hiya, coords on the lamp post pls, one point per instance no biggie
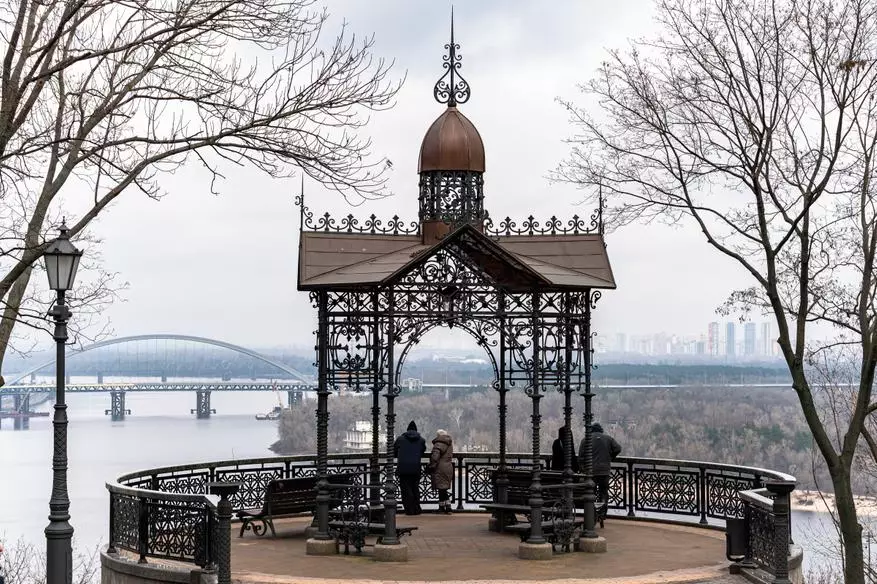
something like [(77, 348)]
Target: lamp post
[(62, 260)]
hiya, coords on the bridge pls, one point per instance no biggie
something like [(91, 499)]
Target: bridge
[(199, 364)]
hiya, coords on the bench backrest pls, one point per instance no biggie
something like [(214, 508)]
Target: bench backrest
[(298, 495), (518, 491)]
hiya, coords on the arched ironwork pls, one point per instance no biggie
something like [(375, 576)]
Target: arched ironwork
[(484, 342), (174, 337)]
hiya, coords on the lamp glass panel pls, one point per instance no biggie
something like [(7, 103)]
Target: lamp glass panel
[(52, 270)]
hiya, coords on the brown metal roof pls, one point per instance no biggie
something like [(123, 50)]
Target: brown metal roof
[(565, 260), (451, 143), (342, 260), (339, 259)]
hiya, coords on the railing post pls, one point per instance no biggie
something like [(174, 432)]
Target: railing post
[(781, 512), (701, 492), (143, 530), (630, 492), (220, 552), (459, 494), (111, 549)]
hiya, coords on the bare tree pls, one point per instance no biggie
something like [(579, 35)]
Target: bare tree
[(755, 122), (100, 97), (22, 562)]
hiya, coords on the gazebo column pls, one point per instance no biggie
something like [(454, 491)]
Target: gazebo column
[(502, 478), (590, 541), (374, 461), (536, 548), (390, 549), (374, 466), (322, 542)]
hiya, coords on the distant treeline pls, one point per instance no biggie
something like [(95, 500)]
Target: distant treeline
[(750, 426)]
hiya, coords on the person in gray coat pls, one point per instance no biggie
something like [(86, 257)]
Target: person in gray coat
[(604, 449)]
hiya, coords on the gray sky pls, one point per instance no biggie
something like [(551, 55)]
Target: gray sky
[(225, 266)]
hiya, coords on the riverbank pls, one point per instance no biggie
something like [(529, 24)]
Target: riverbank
[(824, 502)]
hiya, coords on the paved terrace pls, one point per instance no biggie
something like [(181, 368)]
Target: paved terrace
[(460, 548)]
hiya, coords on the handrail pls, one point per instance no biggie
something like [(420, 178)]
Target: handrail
[(767, 473), (758, 498)]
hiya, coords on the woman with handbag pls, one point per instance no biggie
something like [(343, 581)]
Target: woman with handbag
[(441, 468)]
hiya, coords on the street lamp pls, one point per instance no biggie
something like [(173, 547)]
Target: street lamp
[(62, 260)]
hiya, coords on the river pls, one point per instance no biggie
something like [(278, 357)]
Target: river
[(160, 432)]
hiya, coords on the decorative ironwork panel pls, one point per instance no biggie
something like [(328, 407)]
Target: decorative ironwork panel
[(178, 530), (352, 353), (761, 536), (191, 483), (618, 487), (254, 483), (667, 491), (350, 224), (452, 196), (722, 494), (126, 514), (144, 482), (427, 493), (552, 226), (478, 483)]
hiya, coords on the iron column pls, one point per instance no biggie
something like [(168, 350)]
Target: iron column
[(59, 532)]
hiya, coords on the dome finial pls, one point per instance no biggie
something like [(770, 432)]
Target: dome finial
[(456, 89)]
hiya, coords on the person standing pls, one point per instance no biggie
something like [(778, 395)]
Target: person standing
[(604, 449), (558, 460), (441, 468), (410, 448)]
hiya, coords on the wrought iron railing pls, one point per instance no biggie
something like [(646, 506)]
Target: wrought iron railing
[(164, 512), (767, 527), (160, 524)]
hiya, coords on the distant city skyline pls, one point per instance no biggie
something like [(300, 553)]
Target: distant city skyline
[(730, 339)]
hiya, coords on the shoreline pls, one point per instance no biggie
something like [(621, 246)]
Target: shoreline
[(817, 502)]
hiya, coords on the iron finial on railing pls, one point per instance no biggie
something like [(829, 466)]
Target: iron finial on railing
[(455, 89)]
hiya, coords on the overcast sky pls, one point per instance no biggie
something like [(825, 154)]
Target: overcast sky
[(225, 266)]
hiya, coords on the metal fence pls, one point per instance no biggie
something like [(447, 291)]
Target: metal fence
[(165, 512)]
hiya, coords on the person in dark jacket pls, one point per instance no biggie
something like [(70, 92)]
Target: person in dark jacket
[(558, 461), (410, 447), (604, 450)]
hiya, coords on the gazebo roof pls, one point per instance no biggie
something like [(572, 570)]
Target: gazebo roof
[(331, 260)]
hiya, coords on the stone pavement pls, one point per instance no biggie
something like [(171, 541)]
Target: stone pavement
[(459, 548)]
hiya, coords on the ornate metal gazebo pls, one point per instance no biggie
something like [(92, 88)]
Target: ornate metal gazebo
[(524, 292)]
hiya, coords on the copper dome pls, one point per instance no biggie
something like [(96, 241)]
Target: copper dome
[(451, 143)]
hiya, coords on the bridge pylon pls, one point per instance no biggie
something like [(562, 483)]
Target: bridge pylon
[(117, 411), (21, 404), (202, 405)]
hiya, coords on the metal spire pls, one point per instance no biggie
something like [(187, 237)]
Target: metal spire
[(451, 88)]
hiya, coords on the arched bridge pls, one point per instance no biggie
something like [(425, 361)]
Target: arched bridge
[(158, 362)]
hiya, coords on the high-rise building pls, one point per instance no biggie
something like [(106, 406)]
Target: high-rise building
[(768, 343), (621, 343), (730, 339), (749, 339), (712, 339)]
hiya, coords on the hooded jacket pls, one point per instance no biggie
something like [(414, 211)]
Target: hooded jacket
[(441, 462), (409, 447)]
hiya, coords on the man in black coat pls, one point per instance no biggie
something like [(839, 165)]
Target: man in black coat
[(605, 449), (409, 448)]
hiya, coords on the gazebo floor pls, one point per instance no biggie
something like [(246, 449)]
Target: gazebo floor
[(459, 547)]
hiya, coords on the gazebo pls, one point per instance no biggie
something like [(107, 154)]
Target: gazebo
[(525, 292)]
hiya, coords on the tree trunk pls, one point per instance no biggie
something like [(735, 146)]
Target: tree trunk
[(851, 531)]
